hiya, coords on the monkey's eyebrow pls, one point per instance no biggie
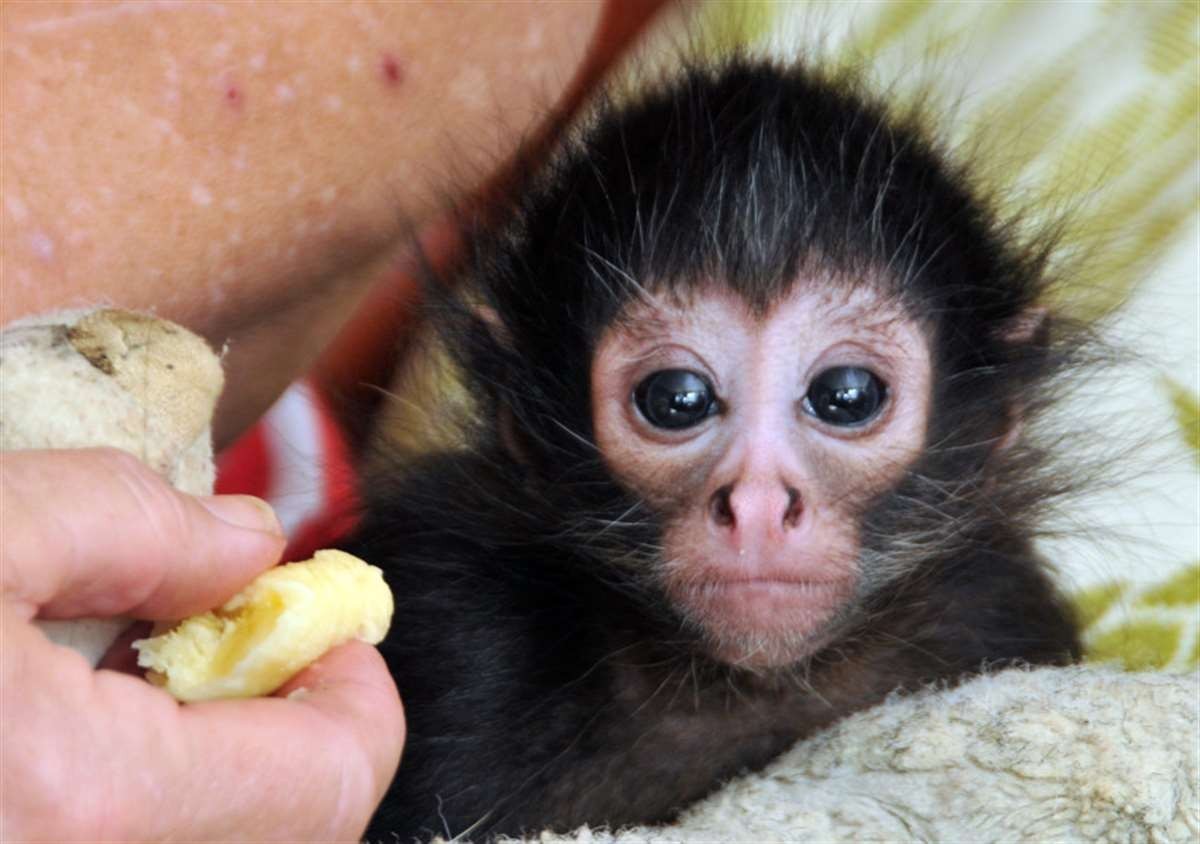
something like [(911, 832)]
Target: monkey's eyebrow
[(655, 322), (877, 318)]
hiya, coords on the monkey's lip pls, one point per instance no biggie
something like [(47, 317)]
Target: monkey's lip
[(766, 620), (811, 592), (766, 604)]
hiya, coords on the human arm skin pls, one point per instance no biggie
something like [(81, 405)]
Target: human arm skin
[(250, 170)]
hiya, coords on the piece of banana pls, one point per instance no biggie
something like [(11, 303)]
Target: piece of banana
[(283, 621)]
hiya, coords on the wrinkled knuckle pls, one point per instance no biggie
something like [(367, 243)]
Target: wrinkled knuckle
[(162, 510), (170, 518), (163, 520), (117, 462)]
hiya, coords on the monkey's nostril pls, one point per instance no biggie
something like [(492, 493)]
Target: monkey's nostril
[(720, 508), (795, 508)]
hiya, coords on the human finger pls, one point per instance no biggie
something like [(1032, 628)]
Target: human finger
[(94, 532), (320, 756), (310, 766)]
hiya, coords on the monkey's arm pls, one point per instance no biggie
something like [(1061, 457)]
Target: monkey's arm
[(479, 682)]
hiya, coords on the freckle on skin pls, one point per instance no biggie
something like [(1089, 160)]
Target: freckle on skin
[(16, 207), (402, 171), (534, 37), (470, 86), (167, 128), (42, 245)]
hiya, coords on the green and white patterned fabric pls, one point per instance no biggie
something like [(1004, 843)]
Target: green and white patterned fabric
[(1144, 627)]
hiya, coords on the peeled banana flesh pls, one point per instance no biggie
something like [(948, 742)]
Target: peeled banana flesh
[(282, 622)]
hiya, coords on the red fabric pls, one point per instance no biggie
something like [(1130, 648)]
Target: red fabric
[(241, 468), (297, 458)]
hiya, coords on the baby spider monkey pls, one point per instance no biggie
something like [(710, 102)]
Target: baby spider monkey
[(749, 367)]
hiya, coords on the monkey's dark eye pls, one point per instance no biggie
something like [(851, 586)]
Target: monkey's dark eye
[(845, 396), (675, 398)]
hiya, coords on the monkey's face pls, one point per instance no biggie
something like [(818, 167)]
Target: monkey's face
[(759, 439)]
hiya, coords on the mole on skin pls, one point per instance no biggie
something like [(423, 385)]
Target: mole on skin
[(390, 69)]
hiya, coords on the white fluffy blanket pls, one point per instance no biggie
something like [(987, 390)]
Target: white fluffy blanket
[(1053, 754)]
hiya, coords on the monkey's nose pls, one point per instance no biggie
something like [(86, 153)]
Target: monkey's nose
[(734, 507)]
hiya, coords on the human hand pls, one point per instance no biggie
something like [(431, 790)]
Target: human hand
[(102, 755)]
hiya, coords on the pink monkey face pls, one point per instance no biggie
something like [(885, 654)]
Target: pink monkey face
[(759, 439)]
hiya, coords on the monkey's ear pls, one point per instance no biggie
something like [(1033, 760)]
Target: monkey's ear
[(510, 436), (507, 428), (1027, 332), (489, 318), (1029, 329)]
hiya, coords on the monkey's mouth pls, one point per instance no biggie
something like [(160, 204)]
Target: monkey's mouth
[(767, 604), (765, 621)]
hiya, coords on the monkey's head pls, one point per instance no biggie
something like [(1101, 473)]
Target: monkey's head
[(768, 352)]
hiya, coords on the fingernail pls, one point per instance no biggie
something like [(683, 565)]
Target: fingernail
[(244, 511)]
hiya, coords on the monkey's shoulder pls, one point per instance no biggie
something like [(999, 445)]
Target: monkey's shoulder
[(996, 606)]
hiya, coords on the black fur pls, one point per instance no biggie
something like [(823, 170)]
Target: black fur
[(546, 679)]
